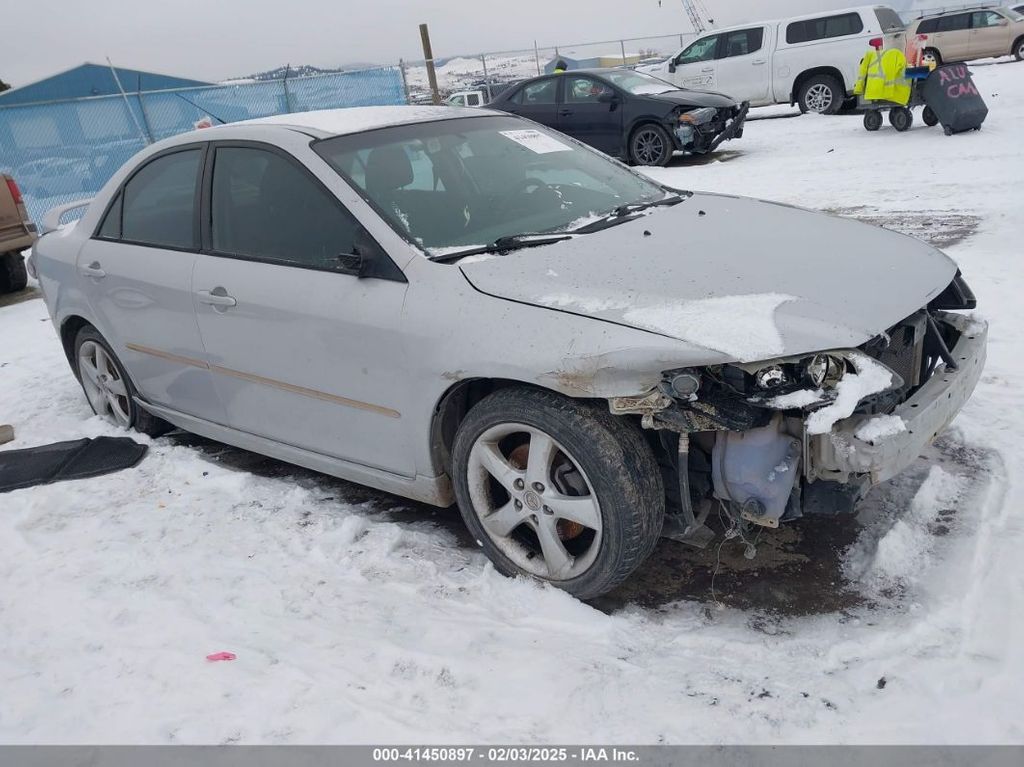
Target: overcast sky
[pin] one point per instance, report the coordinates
(217, 39)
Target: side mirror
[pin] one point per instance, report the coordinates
(608, 97)
(368, 259)
(672, 66)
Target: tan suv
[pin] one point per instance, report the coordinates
(969, 34)
(16, 234)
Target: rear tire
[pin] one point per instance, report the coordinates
(650, 145)
(821, 94)
(872, 120)
(13, 275)
(523, 457)
(1018, 49)
(109, 390)
(930, 118)
(901, 118)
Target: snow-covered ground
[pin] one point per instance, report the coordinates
(357, 617)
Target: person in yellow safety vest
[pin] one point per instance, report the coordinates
(560, 67)
(883, 77)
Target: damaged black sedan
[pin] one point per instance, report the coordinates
(628, 114)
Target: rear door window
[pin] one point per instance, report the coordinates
(823, 28)
(264, 207)
(742, 42)
(542, 92)
(954, 22)
(159, 202)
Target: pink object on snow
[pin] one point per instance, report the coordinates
(221, 656)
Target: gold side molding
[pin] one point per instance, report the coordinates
(282, 385)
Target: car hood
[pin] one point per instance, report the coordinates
(735, 279)
(690, 98)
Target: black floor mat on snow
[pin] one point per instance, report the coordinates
(77, 459)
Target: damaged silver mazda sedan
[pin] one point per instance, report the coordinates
(461, 306)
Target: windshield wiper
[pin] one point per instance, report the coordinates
(507, 244)
(622, 214)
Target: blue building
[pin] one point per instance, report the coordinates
(92, 80)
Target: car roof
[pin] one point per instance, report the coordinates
(955, 11)
(340, 122)
(790, 19)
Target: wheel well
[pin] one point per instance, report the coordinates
(452, 409)
(1016, 44)
(805, 76)
(68, 332)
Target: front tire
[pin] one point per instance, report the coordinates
(821, 94)
(650, 145)
(557, 489)
(107, 386)
(13, 275)
(930, 118)
(872, 120)
(1018, 49)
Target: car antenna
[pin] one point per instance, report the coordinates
(206, 111)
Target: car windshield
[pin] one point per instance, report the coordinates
(638, 83)
(457, 184)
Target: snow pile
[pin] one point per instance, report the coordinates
(796, 399)
(741, 327)
(584, 304)
(880, 427)
(902, 555)
(871, 378)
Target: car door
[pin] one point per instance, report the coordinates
(952, 37)
(591, 111)
(303, 351)
(742, 69)
(537, 100)
(695, 66)
(136, 272)
(989, 35)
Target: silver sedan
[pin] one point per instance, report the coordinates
(461, 306)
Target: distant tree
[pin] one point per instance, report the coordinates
(4, 86)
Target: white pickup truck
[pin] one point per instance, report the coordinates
(808, 60)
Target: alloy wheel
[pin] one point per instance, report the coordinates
(534, 501)
(648, 146)
(819, 98)
(106, 390)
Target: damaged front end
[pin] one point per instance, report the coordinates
(772, 441)
(701, 131)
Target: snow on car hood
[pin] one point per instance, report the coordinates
(742, 279)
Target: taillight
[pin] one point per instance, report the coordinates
(15, 192)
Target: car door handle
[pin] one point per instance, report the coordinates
(708, 69)
(93, 270)
(759, 62)
(216, 297)
(565, 113)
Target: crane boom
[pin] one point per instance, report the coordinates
(698, 14)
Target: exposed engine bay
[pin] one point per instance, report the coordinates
(772, 441)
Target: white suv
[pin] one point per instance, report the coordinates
(808, 60)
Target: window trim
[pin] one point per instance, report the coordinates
(723, 41)
(824, 17)
(386, 269)
(203, 147)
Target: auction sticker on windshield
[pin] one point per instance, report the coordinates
(536, 142)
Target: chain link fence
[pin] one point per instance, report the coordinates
(63, 151)
(491, 72)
